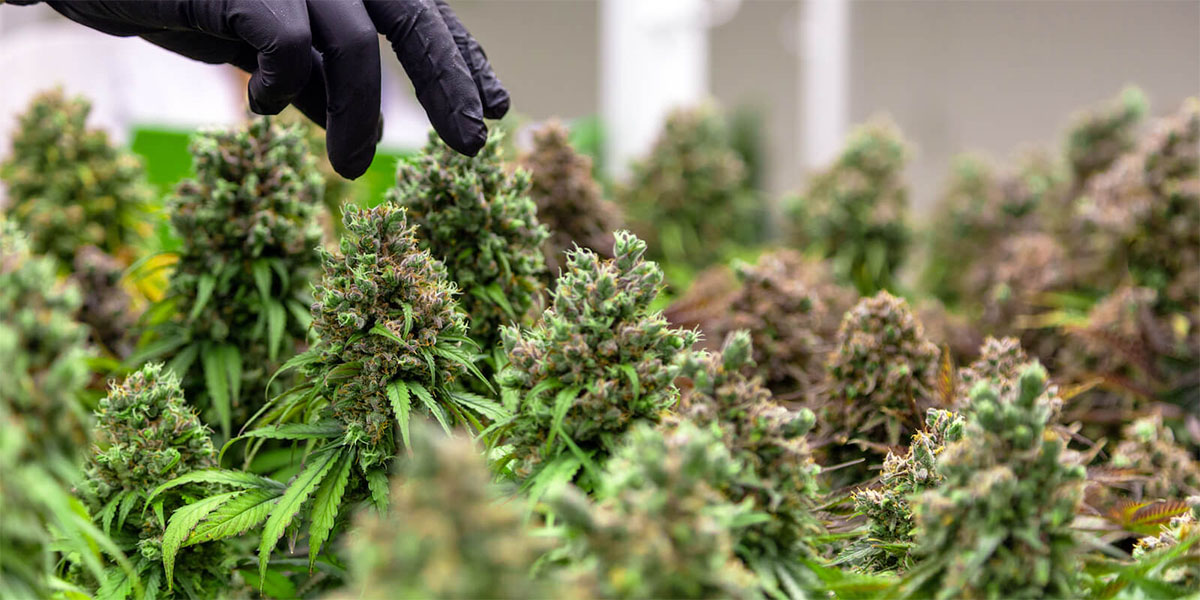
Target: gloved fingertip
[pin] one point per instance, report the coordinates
(259, 106)
(468, 137)
(352, 165)
(497, 105)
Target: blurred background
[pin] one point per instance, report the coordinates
(994, 77)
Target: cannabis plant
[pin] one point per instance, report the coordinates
(147, 435)
(1179, 542)
(447, 534)
(854, 212)
(689, 196)
(569, 202)
(780, 475)
(1012, 279)
(1000, 362)
(43, 366)
(237, 300)
(596, 363)
(108, 308)
(68, 186)
(1097, 138)
(391, 342)
(661, 527)
(1167, 470)
(999, 524)
(888, 543)
(477, 218)
(882, 374)
(792, 308)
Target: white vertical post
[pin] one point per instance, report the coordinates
(824, 79)
(654, 57)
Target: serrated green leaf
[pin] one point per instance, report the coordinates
(326, 504)
(377, 482)
(231, 358)
(562, 403)
(217, 385)
(109, 512)
(383, 331)
(401, 405)
(128, 500)
(302, 314)
(427, 399)
(631, 375)
(484, 406)
(116, 585)
(290, 503)
(204, 290)
(298, 431)
(561, 471)
(180, 526)
(276, 322)
(462, 358)
(184, 359)
(238, 479)
(262, 278)
(235, 517)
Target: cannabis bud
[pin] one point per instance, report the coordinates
(569, 202)
(107, 307)
(999, 362)
(881, 373)
(1099, 137)
(1149, 447)
(1183, 572)
(854, 212)
(68, 186)
(42, 352)
(661, 528)
(448, 533)
(692, 190)
(145, 436)
(792, 308)
(999, 524)
(478, 219)
(889, 540)
(249, 230)
(598, 361)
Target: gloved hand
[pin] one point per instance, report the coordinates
(323, 57)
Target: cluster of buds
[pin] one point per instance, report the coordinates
(1166, 469)
(881, 374)
(888, 545)
(107, 307)
(1097, 138)
(448, 533)
(1149, 203)
(477, 218)
(999, 525)
(1185, 571)
(569, 202)
(767, 438)
(792, 308)
(662, 527)
(599, 347)
(385, 310)
(1000, 361)
(42, 347)
(691, 190)
(68, 186)
(854, 212)
(146, 435)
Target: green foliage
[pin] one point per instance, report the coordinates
(43, 366)
(999, 525)
(1181, 534)
(447, 533)
(237, 299)
(854, 211)
(68, 186)
(146, 435)
(476, 216)
(1095, 139)
(780, 475)
(882, 373)
(792, 308)
(597, 362)
(889, 537)
(569, 202)
(662, 528)
(689, 197)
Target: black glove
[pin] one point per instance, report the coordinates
(323, 57)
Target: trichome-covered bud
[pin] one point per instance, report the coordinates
(661, 528)
(599, 358)
(476, 216)
(792, 308)
(569, 202)
(1096, 138)
(854, 211)
(107, 307)
(42, 348)
(447, 534)
(999, 525)
(68, 186)
(1165, 469)
(887, 507)
(690, 192)
(999, 362)
(882, 373)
